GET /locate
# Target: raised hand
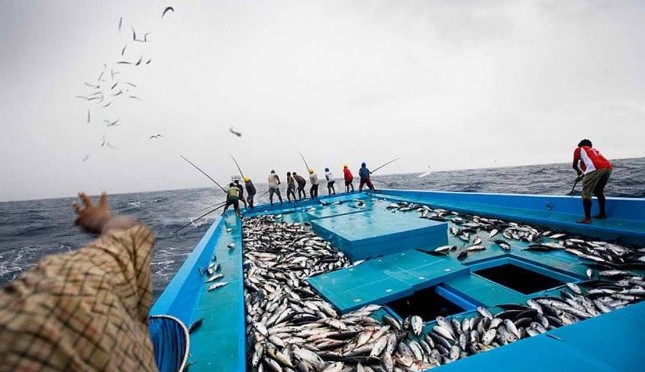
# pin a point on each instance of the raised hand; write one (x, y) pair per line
(92, 217)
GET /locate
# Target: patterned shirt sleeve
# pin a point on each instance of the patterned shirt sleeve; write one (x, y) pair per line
(84, 310)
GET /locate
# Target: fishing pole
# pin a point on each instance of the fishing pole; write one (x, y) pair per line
(237, 165)
(198, 218)
(389, 162)
(204, 173)
(205, 208)
(303, 159)
(575, 183)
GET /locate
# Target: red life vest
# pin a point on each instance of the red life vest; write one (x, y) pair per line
(590, 159)
(348, 174)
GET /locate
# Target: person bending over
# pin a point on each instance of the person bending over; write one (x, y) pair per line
(233, 198)
(596, 170)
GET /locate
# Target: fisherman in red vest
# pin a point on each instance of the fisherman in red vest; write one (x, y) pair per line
(596, 170)
(349, 178)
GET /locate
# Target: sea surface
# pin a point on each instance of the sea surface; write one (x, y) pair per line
(32, 229)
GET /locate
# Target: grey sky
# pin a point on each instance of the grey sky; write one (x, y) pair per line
(450, 84)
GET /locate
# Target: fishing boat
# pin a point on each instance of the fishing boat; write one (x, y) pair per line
(442, 256)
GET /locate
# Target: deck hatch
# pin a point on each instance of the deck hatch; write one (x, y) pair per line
(426, 303)
(519, 278)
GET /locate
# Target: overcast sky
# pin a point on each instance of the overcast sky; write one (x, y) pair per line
(449, 84)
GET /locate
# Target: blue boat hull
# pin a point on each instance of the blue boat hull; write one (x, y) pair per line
(224, 334)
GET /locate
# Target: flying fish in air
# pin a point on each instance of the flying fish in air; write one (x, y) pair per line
(168, 9)
(234, 132)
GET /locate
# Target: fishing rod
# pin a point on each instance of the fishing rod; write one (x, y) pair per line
(205, 208)
(238, 166)
(575, 183)
(389, 162)
(204, 173)
(303, 159)
(200, 217)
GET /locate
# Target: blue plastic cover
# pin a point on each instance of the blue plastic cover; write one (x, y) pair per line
(170, 342)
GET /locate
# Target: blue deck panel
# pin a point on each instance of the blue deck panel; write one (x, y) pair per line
(347, 207)
(384, 279)
(611, 342)
(374, 232)
(484, 291)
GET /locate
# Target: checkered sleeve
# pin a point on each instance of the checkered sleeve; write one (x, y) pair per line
(85, 310)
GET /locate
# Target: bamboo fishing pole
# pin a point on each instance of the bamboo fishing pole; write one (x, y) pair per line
(199, 218)
(238, 166)
(204, 173)
(304, 160)
(387, 163)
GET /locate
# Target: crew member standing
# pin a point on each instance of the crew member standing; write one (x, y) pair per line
(274, 186)
(349, 178)
(300, 180)
(330, 182)
(291, 187)
(596, 170)
(313, 178)
(250, 189)
(364, 174)
(237, 184)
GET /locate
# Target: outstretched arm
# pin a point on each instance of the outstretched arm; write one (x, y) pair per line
(97, 218)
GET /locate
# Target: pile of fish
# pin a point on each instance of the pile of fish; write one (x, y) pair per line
(599, 255)
(291, 328)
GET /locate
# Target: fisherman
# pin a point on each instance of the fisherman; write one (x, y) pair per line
(364, 174)
(237, 184)
(291, 187)
(250, 189)
(596, 170)
(313, 178)
(232, 198)
(84, 310)
(349, 178)
(330, 182)
(300, 180)
(274, 186)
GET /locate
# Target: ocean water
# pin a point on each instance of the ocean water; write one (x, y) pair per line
(32, 229)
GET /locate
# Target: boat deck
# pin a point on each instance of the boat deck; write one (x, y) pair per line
(390, 274)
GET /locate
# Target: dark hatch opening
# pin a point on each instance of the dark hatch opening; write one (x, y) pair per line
(425, 303)
(519, 279)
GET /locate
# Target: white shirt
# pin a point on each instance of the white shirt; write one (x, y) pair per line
(273, 181)
(329, 176)
(313, 177)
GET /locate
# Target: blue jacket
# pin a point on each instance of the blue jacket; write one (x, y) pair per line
(364, 172)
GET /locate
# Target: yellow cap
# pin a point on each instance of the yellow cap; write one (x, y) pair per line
(345, 165)
(311, 170)
(246, 179)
